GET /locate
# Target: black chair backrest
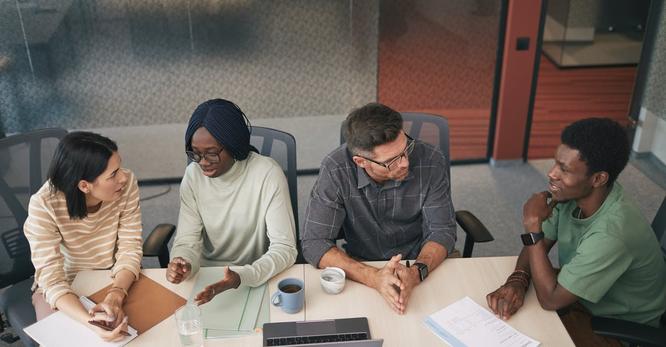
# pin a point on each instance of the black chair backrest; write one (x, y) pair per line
(281, 146)
(24, 160)
(429, 128)
(659, 225)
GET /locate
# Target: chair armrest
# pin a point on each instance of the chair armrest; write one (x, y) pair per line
(15, 253)
(158, 239)
(631, 332)
(473, 227)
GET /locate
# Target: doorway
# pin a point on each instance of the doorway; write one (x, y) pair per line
(588, 66)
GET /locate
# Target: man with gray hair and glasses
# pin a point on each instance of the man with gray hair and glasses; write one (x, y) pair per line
(389, 197)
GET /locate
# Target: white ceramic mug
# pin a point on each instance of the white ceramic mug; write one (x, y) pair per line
(332, 280)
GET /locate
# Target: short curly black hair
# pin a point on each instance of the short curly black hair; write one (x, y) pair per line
(603, 145)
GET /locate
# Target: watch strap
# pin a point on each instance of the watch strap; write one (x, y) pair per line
(530, 239)
(423, 270)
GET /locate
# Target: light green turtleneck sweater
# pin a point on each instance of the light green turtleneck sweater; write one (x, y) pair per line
(242, 218)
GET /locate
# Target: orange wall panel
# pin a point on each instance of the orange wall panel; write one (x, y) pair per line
(523, 19)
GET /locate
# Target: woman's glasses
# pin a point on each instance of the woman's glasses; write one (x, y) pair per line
(210, 157)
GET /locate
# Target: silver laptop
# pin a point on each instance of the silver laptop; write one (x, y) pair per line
(344, 332)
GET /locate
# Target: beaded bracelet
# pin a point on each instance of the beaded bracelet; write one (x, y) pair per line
(515, 280)
(520, 278)
(521, 271)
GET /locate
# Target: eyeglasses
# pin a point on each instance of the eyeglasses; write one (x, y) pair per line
(212, 158)
(395, 161)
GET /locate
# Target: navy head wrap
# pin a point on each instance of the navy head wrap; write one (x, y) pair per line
(226, 122)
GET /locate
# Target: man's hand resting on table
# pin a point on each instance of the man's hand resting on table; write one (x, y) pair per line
(507, 299)
(410, 279)
(387, 283)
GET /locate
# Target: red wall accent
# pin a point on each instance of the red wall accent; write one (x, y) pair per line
(523, 19)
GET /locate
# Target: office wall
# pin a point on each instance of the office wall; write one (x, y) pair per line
(96, 64)
(651, 134)
(654, 98)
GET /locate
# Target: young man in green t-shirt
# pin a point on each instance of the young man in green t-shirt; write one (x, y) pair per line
(610, 259)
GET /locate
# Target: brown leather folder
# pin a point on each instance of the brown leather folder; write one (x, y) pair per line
(147, 304)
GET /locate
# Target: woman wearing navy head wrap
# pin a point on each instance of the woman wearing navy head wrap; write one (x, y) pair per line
(235, 209)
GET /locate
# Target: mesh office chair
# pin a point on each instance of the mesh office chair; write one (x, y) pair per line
(31, 153)
(24, 160)
(156, 244)
(434, 130)
(280, 146)
(634, 333)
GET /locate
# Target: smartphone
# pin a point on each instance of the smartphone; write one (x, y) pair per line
(106, 327)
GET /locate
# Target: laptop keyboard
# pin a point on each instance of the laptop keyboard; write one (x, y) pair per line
(301, 340)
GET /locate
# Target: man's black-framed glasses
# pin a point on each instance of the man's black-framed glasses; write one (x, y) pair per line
(395, 161)
(210, 157)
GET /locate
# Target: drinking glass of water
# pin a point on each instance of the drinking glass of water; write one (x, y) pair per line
(188, 320)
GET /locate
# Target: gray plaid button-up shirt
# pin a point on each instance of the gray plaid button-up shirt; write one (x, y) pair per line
(380, 221)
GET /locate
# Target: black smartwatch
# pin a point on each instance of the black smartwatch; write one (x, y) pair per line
(530, 239)
(423, 270)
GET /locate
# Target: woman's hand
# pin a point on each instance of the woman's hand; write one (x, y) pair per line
(230, 280)
(178, 270)
(110, 310)
(117, 334)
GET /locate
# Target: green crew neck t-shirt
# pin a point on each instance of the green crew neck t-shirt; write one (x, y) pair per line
(610, 260)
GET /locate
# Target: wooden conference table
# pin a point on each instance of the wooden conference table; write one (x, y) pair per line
(454, 279)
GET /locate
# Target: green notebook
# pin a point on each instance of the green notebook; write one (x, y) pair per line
(233, 312)
(247, 327)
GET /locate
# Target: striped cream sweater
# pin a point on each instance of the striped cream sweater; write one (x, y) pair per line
(61, 247)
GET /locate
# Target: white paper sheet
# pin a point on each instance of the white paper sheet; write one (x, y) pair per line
(466, 323)
(59, 330)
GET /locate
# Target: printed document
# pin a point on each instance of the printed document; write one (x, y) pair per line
(466, 323)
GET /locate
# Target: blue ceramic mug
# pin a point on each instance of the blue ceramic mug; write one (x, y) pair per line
(290, 295)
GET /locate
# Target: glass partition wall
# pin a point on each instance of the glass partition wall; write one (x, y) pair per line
(86, 64)
(440, 57)
(123, 63)
(588, 68)
(595, 32)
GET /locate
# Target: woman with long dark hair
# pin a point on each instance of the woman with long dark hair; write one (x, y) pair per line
(85, 217)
